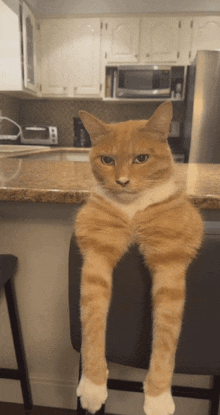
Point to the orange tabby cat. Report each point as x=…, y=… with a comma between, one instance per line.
x=136, y=200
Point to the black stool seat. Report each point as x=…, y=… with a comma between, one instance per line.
x=129, y=325
x=8, y=266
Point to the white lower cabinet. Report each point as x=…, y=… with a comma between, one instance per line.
x=70, y=57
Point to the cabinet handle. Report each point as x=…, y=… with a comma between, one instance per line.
x=147, y=55
x=136, y=56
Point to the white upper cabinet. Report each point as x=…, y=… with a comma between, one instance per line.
x=10, y=52
x=165, y=39
x=120, y=40
x=205, y=34
x=17, y=47
x=86, y=57
x=55, y=66
x=29, y=48
x=70, y=57
x=146, y=40
x=160, y=39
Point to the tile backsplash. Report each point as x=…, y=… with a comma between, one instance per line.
x=60, y=112
x=10, y=107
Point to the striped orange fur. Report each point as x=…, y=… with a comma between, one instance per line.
x=136, y=200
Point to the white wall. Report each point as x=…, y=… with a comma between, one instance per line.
x=56, y=7
x=39, y=235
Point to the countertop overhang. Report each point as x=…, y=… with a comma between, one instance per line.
x=70, y=182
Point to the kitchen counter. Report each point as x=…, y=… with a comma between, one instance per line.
x=70, y=182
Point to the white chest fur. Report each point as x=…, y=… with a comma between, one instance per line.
x=149, y=197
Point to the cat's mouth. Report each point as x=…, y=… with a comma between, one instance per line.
x=124, y=190
x=126, y=195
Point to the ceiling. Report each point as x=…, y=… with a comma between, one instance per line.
x=81, y=7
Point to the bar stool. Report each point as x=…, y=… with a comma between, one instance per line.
x=129, y=326
x=8, y=266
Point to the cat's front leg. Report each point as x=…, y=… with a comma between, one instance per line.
x=159, y=405
x=92, y=396
x=96, y=281
x=168, y=296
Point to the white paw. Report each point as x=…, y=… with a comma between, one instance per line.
x=159, y=405
x=92, y=396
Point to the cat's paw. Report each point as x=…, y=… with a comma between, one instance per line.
x=92, y=396
x=159, y=405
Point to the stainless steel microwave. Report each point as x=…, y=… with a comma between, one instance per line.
x=155, y=81
x=34, y=134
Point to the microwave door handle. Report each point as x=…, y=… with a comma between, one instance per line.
x=36, y=128
x=132, y=92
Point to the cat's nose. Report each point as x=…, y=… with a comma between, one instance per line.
x=123, y=181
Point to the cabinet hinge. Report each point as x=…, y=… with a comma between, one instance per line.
x=105, y=55
x=38, y=26
x=106, y=26
x=191, y=24
x=189, y=54
x=40, y=88
x=100, y=87
x=101, y=25
x=178, y=55
x=180, y=24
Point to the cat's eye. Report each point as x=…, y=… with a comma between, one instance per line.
x=140, y=159
x=107, y=160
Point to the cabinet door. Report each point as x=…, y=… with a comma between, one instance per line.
x=10, y=53
x=206, y=34
x=56, y=41
x=160, y=38
x=121, y=40
x=86, y=57
x=28, y=27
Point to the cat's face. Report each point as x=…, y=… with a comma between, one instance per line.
x=129, y=157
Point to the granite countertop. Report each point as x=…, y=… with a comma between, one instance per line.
x=70, y=182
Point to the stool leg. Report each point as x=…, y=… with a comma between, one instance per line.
x=19, y=345
x=214, y=406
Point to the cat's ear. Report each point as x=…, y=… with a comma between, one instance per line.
x=161, y=119
x=94, y=126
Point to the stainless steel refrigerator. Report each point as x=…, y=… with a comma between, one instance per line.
x=202, y=123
